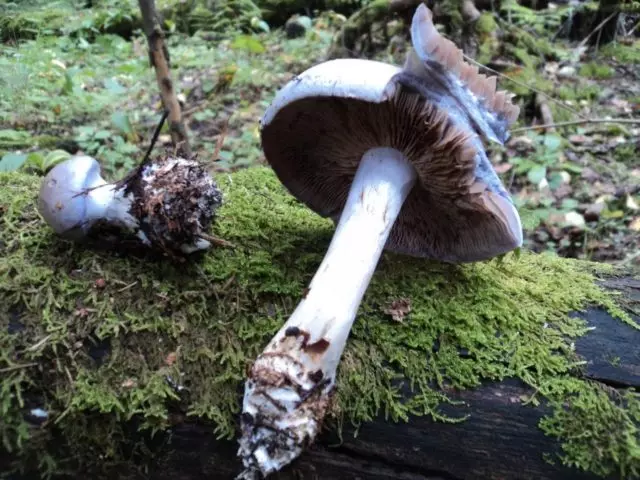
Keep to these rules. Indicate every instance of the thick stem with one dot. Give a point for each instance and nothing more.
(288, 390)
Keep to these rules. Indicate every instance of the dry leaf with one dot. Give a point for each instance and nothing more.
(399, 309)
(171, 358)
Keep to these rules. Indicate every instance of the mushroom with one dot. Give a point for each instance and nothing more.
(395, 156)
(166, 204)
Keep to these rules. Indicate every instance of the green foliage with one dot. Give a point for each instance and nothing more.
(596, 70)
(537, 21)
(622, 53)
(542, 170)
(37, 161)
(96, 355)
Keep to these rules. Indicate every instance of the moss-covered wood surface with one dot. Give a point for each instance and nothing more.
(116, 348)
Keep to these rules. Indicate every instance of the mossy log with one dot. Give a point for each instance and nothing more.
(121, 365)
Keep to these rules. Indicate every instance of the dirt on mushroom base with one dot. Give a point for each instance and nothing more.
(107, 344)
(176, 200)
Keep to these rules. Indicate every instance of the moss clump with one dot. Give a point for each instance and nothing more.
(99, 340)
(596, 70)
(486, 28)
(622, 53)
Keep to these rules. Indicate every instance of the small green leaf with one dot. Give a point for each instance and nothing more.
(121, 121)
(249, 43)
(552, 142)
(54, 157)
(114, 86)
(35, 160)
(12, 161)
(537, 174)
(569, 204)
(555, 180)
(102, 135)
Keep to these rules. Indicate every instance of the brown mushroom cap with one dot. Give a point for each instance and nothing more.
(321, 123)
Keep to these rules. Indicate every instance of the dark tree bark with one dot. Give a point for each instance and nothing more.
(605, 22)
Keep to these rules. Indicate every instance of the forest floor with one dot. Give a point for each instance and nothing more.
(577, 186)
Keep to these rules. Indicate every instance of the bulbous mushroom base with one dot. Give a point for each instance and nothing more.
(175, 201)
(286, 399)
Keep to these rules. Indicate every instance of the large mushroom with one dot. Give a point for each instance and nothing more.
(166, 204)
(395, 156)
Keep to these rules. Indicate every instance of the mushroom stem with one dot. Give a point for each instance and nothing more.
(109, 203)
(290, 383)
(168, 204)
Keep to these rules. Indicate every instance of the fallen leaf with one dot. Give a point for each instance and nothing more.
(574, 219)
(171, 358)
(503, 168)
(128, 383)
(399, 309)
(635, 224)
(631, 204)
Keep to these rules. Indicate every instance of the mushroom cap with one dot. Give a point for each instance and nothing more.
(320, 124)
(64, 200)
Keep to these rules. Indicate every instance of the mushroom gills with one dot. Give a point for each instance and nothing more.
(290, 383)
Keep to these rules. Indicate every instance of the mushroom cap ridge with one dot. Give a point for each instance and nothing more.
(320, 124)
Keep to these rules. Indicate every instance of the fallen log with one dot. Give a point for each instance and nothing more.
(116, 364)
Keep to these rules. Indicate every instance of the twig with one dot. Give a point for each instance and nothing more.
(154, 138)
(17, 367)
(595, 30)
(517, 82)
(159, 59)
(545, 111)
(216, 240)
(585, 121)
(136, 172)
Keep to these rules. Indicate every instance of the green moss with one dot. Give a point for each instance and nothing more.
(200, 324)
(622, 53)
(578, 92)
(486, 28)
(486, 24)
(596, 70)
(627, 154)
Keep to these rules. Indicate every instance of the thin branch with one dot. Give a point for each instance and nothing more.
(597, 29)
(585, 121)
(17, 367)
(137, 172)
(154, 138)
(545, 111)
(216, 240)
(159, 59)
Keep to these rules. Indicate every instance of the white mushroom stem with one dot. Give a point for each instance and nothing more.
(288, 390)
(109, 203)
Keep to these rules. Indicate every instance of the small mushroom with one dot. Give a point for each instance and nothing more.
(166, 204)
(395, 156)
